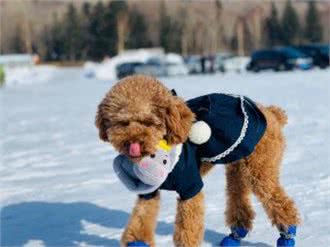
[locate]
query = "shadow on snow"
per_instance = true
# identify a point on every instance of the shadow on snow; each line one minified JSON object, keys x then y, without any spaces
{"x":60,"y":224}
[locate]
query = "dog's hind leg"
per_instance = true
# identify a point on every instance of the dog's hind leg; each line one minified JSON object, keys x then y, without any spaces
{"x":189,"y":222}
{"x":263,"y":174}
{"x":143,"y":221}
{"x":279,"y":207}
{"x":277,"y":204}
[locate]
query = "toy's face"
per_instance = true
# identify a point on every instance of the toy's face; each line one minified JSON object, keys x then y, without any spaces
{"x":160,"y":160}
{"x":154,"y":168}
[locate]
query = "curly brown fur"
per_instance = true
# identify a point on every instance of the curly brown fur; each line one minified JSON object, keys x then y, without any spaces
{"x":189,"y":222}
{"x":205,"y":168}
{"x":239,"y":211}
{"x":140,"y":109}
{"x":142,"y":224}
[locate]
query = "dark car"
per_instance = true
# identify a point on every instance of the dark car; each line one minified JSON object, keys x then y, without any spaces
{"x":319,"y":53}
{"x":325,"y":49}
{"x":193,"y":64}
{"x":279,"y":59}
{"x":152,"y":67}
{"x":126,"y":69}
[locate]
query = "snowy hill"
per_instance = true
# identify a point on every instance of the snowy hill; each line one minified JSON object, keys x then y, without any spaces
{"x":57,"y":184}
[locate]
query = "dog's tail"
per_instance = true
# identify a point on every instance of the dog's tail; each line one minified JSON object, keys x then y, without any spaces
{"x":279,"y":114}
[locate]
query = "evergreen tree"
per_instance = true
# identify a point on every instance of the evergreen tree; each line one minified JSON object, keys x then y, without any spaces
{"x":86,"y":9}
{"x":289,"y":25}
{"x":72,"y":34}
{"x":111,"y":18}
{"x":17,"y":43}
{"x":313,"y":27}
{"x":45,"y":48}
{"x":170,"y":31}
{"x":164,"y":26}
{"x":52,"y":39}
{"x":138,"y":31}
{"x":84,"y":20}
{"x":97,"y":43}
{"x":57,"y":40}
{"x":272,"y":28}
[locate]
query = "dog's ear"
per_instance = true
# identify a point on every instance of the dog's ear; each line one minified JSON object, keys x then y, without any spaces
{"x":102,"y":123}
{"x":178,"y":118}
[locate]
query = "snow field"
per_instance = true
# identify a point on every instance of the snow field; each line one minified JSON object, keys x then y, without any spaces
{"x":57,"y":184}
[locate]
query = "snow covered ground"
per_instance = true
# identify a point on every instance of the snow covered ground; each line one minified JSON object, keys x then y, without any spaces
{"x":29,"y":74}
{"x":57,"y":184}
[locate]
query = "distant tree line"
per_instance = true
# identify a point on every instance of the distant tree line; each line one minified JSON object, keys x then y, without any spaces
{"x":95,"y":31}
{"x":288,"y":30}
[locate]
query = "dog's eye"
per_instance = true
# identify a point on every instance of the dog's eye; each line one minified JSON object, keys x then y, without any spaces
{"x":125,"y":123}
{"x":152,"y":155}
{"x":164,"y":162}
{"x":107,"y":124}
{"x":145,"y":122}
{"x":148,"y":123}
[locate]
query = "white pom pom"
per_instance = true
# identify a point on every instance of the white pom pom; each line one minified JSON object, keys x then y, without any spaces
{"x":200,"y":132}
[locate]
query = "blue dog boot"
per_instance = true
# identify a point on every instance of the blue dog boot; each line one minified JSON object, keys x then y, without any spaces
{"x":234,"y":239}
{"x":287,"y":237}
{"x":283,"y":242}
{"x":230,"y":241}
{"x":137,"y":244}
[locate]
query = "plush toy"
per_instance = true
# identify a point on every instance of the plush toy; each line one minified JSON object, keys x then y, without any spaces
{"x":147,"y":175}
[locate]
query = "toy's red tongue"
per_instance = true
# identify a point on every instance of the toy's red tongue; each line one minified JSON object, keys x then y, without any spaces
{"x":135,"y":150}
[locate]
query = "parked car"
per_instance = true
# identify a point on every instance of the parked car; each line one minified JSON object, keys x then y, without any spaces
{"x":153,"y":67}
{"x":236,"y":64}
{"x":89,"y":69}
{"x":297,"y":58}
{"x":325,"y":49}
{"x":193,"y":64}
{"x":175,"y":65}
{"x":319,"y":53}
{"x":278,"y":59}
{"x":220,"y":59}
{"x":197,"y":64}
{"x":126,"y":69}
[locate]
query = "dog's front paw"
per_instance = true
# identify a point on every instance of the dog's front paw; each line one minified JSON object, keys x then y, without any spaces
{"x":285,"y":242}
{"x":234,"y":239}
{"x":230,"y":241}
{"x":137,"y":244}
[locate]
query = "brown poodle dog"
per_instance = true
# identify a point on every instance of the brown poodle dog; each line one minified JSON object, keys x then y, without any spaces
{"x":139,"y":110}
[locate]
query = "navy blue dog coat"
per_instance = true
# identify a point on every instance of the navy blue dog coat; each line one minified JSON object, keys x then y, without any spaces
{"x":236,"y":124}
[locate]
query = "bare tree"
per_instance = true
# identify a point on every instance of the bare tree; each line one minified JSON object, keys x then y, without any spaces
{"x":122,"y":28}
